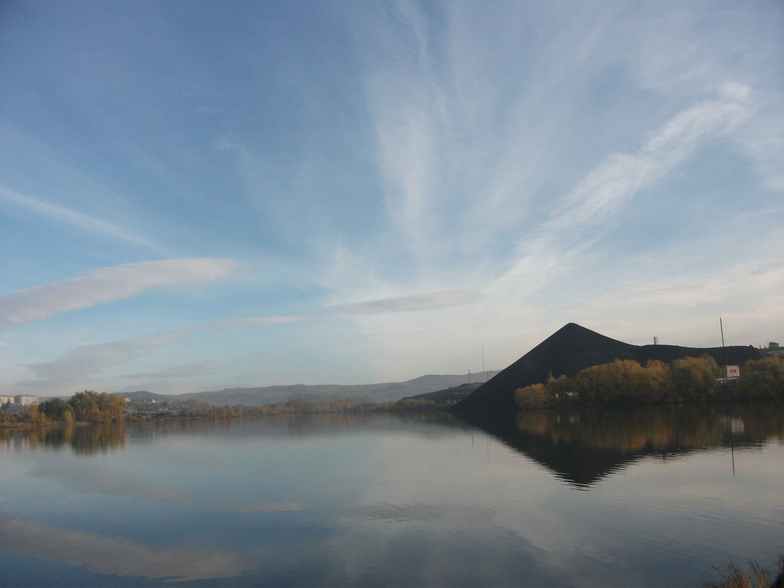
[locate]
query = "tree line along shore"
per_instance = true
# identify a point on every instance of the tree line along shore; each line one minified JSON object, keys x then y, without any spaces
{"x":627,"y":382}
{"x":82,"y":407}
{"x":622,"y":383}
{"x":90,"y":407}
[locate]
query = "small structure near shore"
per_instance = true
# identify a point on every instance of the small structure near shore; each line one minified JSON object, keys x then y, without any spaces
{"x":17,"y":400}
{"x":730,"y":373}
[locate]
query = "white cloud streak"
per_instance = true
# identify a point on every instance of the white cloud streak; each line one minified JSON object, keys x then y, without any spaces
{"x":509,"y":165}
{"x":106,"y":285}
{"x":622,"y":175}
{"x":74,"y":218}
{"x":83,"y":363}
{"x":86,"y":365}
{"x":511,"y":147}
{"x":585,"y":212}
{"x":412,"y":303}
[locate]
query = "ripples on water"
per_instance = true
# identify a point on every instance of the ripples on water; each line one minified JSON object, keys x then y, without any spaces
{"x":605,"y":499}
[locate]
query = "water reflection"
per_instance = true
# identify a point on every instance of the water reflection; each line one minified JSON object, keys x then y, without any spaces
{"x":82,"y":440}
{"x":584,"y":447}
{"x":105,"y":554}
{"x":379,"y":500}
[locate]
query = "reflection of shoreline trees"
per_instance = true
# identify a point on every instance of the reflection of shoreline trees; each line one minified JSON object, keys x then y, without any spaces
{"x":662,"y":430}
{"x":582,"y":446}
{"x":82,"y":439}
{"x":431,"y":423}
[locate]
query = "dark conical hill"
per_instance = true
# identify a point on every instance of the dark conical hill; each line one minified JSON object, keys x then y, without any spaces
{"x":566,"y":352}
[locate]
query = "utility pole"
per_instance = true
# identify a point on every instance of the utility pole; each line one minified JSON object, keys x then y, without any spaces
{"x":723,"y":352}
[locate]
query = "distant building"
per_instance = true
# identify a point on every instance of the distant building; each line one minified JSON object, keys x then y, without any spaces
{"x":18,"y":400}
{"x":775,"y":349}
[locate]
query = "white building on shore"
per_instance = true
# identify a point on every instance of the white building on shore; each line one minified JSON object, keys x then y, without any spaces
{"x":18,"y":400}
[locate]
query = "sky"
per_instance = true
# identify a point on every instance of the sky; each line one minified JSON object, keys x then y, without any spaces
{"x":195,"y":196}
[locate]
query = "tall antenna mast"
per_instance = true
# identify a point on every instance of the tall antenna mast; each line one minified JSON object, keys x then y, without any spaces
{"x":483,"y":360}
{"x":723,"y":352}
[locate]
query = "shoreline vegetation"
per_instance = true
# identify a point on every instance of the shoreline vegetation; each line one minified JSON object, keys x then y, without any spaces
{"x":89,"y":408}
{"x":754,"y":576}
{"x":626,"y":382}
{"x":82,"y":408}
{"x":623,"y":384}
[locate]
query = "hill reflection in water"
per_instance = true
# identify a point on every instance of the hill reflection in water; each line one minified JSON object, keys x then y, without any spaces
{"x":583,"y":447}
{"x":389,"y":500}
{"x":105,"y":438}
{"x":580,"y":447}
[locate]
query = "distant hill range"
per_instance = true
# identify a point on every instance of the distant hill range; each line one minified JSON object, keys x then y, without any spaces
{"x":566,"y":352}
{"x":258,"y":396}
{"x":441,"y":398}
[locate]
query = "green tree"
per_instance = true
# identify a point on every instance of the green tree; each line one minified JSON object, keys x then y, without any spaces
{"x":54,"y":408}
{"x":695,"y":377}
{"x":763,"y":379}
{"x":94,"y":406}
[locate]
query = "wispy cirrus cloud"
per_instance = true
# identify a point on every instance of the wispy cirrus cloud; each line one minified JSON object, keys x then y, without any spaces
{"x":411,"y":303}
{"x":75,"y":218}
{"x":82,"y":364}
{"x":622,"y":175}
{"x":511,"y":167}
{"x":487,"y":176}
{"x":106,"y":285}
{"x":585,"y":213}
{"x":88,"y":365}
{"x":189,"y":370}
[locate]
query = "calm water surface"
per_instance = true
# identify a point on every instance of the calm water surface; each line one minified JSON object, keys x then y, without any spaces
{"x":650,"y":499}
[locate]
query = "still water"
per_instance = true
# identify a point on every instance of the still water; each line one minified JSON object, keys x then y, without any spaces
{"x":659,"y":498}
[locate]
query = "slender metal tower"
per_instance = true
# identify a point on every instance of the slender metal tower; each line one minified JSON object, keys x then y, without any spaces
{"x":724,"y":375}
{"x":723,"y":352}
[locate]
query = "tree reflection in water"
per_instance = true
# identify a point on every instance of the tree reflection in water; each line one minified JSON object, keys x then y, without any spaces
{"x":82,"y":439}
{"x":582,"y":447}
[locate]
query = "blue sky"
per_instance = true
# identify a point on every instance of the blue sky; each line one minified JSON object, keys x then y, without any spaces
{"x":195,"y":196}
